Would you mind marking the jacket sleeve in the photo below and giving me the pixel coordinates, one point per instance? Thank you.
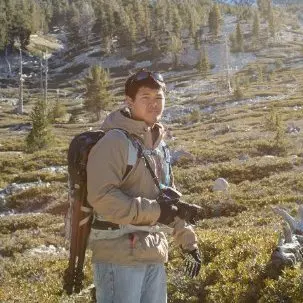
(184, 235)
(106, 166)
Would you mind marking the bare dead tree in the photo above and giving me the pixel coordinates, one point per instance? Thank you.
(8, 63)
(45, 76)
(21, 79)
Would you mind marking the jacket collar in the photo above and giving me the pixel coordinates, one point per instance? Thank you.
(121, 119)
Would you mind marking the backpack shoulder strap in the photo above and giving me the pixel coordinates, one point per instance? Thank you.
(133, 151)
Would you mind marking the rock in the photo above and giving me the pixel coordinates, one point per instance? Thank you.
(2, 201)
(288, 250)
(177, 155)
(243, 157)
(296, 225)
(292, 129)
(220, 185)
(269, 157)
(50, 250)
(21, 127)
(55, 169)
(223, 130)
(14, 188)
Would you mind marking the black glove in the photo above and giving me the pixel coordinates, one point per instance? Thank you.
(188, 212)
(192, 262)
(168, 210)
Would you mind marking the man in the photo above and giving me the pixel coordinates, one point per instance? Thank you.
(129, 247)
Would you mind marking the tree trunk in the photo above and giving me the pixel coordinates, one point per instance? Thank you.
(46, 79)
(20, 105)
(8, 63)
(98, 115)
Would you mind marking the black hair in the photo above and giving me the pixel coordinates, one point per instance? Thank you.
(132, 87)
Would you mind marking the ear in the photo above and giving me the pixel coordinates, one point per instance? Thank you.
(129, 101)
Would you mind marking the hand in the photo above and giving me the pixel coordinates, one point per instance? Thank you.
(188, 212)
(168, 210)
(192, 262)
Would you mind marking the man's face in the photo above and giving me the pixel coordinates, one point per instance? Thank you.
(148, 105)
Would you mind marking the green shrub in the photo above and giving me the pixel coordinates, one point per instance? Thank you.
(238, 93)
(195, 116)
(58, 111)
(40, 136)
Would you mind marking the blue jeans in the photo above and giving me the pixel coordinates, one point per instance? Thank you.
(130, 284)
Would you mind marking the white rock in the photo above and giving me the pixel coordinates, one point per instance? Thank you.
(220, 185)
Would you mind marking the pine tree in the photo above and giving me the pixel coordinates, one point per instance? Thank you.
(233, 42)
(132, 30)
(203, 64)
(272, 25)
(58, 111)
(265, 7)
(193, 22)
(3, 27)
(159, 18)
(97, 96)
(147, 19)
(214, 20)
(197, 40)
(60, 8)
(86, 22)
(156, 50)
(20, 25)
(73, 15)
(175, 48)
(239, 38)
(40, 136)
(256, 27)
(177, 22)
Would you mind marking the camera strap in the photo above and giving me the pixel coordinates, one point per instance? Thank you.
(147, 164)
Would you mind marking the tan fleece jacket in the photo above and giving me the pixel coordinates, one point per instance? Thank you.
(132, 200)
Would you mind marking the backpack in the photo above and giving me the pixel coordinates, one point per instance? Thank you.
(79, 216)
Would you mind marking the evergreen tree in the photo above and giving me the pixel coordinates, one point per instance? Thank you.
(233, 42)
(97, 96)
(169, 15)
(3, 27)
(20, 26)
(175, 48)
(256, 27)
(239, 38)
(58, 111)
(265, 7)
(272, 25)
(122, 21)
(81, 20)
(39, 20)
(132, 30)
(60, 8)
(146, 19)
(46, 11)
(193, 22)
(159, 16)
(197, 40)
(176, 22)
(73, 15)
(86, 21)
(40, 136)
(214, 20)
(203, 64)
(156, 50)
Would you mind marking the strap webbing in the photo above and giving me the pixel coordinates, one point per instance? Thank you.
(152, 172)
